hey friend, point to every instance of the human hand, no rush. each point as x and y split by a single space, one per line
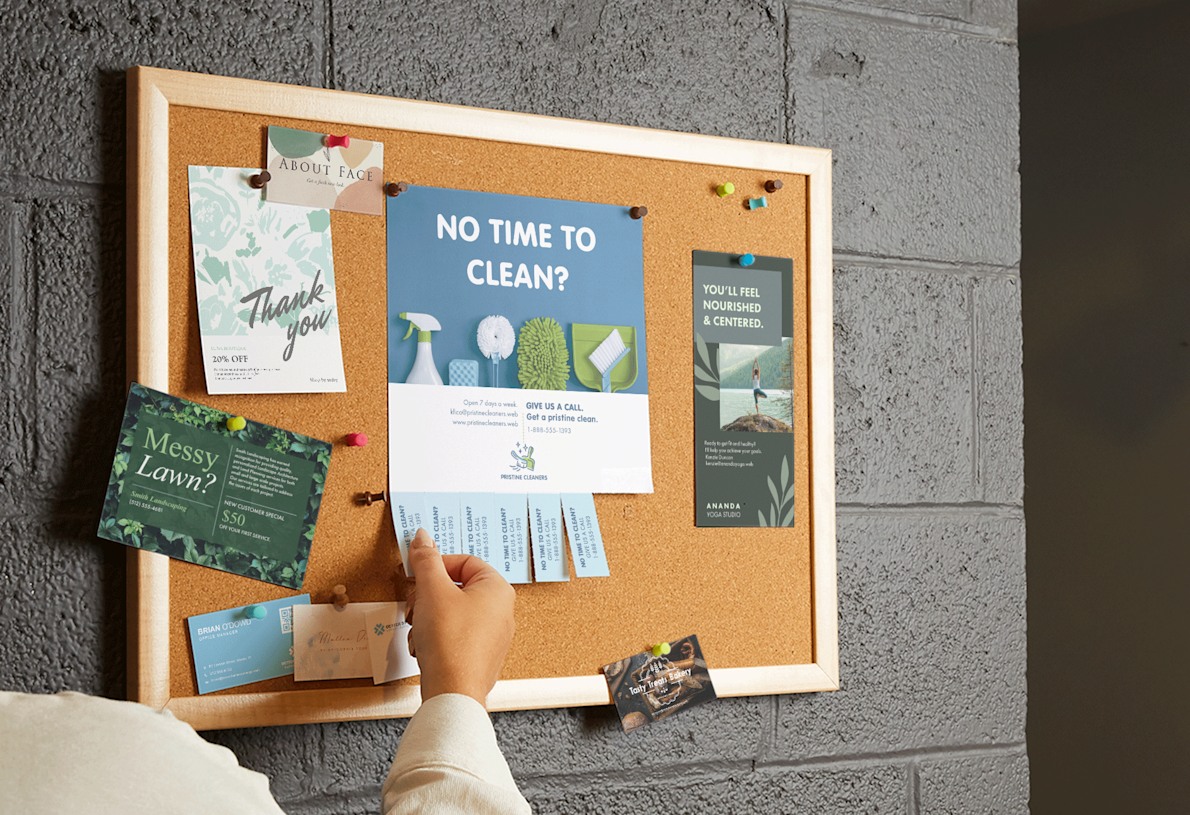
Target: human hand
460 635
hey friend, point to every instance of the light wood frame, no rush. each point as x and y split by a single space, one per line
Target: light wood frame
152 92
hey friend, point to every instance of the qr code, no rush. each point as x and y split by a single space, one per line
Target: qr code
287 620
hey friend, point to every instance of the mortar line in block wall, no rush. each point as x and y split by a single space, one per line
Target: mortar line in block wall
788 108
969 508
711 771
924 22
973 334
328 54
891 263
19 187
913 789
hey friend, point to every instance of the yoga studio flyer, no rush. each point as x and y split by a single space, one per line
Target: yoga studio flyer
743 390
187 485
516 345
265 282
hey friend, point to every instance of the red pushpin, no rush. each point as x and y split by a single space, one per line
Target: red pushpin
336 141
355 439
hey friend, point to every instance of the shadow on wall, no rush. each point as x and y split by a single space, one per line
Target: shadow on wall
1106 270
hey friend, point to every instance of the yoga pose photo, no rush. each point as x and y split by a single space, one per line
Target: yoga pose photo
757 393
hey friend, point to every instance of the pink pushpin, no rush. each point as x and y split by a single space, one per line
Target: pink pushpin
336 141
356 439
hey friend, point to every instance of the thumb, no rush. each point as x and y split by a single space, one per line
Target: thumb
425 562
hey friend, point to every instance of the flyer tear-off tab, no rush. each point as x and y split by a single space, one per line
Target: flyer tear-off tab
477 520
545 530
409 515
582 530
442 521
512 533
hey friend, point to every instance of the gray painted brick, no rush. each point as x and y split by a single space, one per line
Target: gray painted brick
62 66
76 256
706 66
287 755
1000 389
902 386
923 125
61 609
542 742
993 785
880 789
931 639
356 756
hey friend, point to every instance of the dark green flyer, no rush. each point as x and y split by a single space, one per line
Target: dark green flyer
185 485
743 390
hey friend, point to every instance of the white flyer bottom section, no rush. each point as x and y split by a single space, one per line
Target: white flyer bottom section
453 439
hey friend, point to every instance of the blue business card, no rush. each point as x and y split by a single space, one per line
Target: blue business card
241 645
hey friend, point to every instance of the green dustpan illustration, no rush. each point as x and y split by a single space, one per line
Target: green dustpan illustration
585 339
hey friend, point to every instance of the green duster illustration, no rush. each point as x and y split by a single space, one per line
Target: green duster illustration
543 361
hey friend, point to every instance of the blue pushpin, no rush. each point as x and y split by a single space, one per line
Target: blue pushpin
747 260
255 612
758 203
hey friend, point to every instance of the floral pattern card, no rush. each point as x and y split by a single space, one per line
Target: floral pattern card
325 170
186 485
265 279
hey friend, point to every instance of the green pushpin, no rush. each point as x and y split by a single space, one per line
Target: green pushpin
661 649
236 423
725 189
255 612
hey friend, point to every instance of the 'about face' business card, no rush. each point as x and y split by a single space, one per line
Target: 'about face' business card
325 170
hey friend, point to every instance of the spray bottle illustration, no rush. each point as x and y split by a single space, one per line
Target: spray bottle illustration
424 372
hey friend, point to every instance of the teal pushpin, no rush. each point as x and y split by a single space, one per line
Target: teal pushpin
748 259
236 423
255 612
661 649
758 203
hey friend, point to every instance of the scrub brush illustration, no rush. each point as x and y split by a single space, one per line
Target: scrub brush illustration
608 356
543 363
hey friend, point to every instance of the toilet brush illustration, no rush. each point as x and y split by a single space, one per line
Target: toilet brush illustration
496 340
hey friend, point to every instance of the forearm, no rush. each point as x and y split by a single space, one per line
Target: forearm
448 761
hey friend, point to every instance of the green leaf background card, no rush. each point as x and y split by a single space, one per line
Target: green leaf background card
264 276
184 485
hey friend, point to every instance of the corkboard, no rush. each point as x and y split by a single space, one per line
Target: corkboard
747 593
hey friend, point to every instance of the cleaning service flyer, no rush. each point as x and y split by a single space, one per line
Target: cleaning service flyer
743 391
516 345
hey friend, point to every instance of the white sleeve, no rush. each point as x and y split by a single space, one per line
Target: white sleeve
448 761
74 753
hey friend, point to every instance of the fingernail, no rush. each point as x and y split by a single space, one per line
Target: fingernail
422 540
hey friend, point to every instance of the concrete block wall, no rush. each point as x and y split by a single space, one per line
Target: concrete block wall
919 101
